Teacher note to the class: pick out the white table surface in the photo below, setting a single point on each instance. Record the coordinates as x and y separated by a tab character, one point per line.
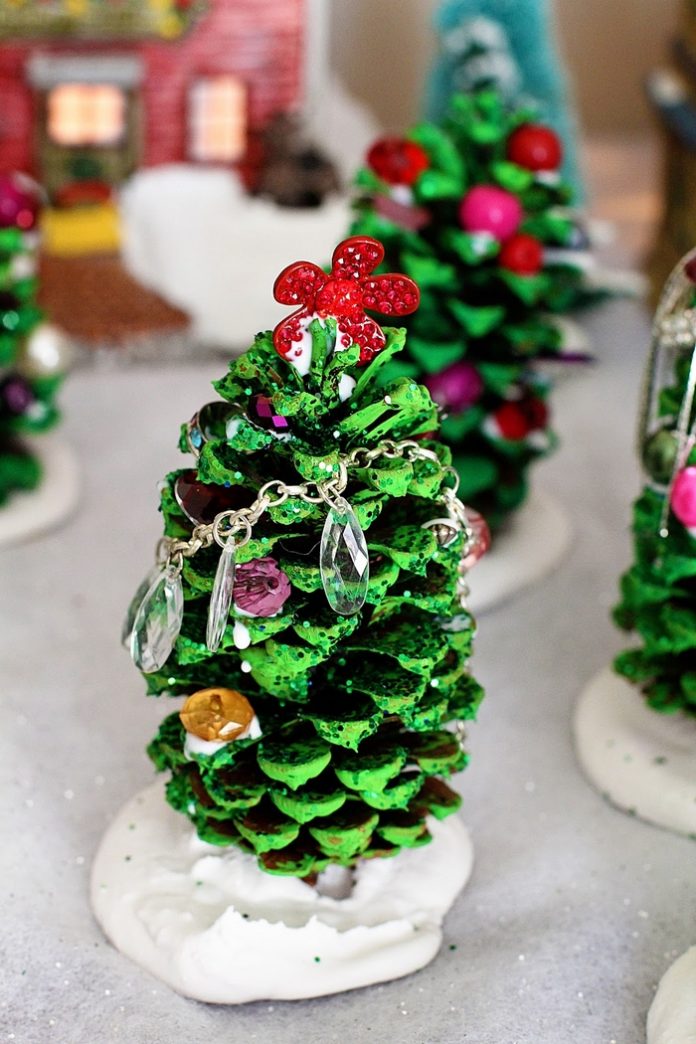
574	910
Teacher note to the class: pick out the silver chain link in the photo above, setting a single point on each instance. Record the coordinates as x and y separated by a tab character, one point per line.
229	524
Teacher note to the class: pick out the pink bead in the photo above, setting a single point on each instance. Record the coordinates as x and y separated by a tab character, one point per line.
684	496
19	202
481	540
456	387
486	208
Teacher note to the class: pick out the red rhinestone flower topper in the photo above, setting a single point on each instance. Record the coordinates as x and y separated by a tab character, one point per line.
344	294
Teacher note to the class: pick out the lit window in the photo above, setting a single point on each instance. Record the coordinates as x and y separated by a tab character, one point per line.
86	114
217	120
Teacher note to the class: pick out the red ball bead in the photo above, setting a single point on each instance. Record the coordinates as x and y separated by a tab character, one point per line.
535	147
522	254
518	418
398	161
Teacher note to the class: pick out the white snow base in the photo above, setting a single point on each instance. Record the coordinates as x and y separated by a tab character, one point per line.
194	236
643	761
27	514
213	926
531	545
672	1015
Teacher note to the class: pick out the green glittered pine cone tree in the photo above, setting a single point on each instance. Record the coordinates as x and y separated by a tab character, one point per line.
325	679
658	591
475	210
32	354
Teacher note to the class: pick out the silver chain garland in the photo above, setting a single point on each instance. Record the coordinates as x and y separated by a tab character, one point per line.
155	618
228	524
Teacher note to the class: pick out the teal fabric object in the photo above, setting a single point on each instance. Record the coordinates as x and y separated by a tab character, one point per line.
508	44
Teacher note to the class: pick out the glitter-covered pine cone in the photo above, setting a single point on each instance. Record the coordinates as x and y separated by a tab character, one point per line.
475	211
658	591
353	710
32	355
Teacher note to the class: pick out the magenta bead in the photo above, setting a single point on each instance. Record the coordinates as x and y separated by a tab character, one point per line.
486	208
19	202
684	497
261	588
456	387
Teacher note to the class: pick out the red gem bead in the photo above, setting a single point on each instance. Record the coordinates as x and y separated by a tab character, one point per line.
481	538
522	254
201	502
690	269
535	147
397	160
340	298
264	414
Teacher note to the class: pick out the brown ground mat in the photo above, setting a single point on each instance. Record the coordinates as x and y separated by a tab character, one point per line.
96	301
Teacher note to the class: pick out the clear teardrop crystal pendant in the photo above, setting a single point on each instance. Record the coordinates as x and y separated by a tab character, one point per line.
221	598
158	621
143	587
343	559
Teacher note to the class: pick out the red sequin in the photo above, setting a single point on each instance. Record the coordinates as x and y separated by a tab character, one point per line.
344	294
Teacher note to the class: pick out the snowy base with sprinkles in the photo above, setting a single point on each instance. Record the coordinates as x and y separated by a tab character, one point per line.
672	1015
642	761
210	924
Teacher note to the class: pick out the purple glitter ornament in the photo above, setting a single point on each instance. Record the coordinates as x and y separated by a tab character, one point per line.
261	588
16	395
263	413
456	387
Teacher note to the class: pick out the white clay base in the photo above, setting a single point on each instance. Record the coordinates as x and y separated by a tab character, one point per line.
643	761
672	1015
531	545
213	926
25	515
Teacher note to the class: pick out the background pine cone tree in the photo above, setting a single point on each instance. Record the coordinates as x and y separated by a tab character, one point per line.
658	591
475	210
32	355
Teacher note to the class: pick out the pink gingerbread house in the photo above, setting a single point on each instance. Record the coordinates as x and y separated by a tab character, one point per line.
91	90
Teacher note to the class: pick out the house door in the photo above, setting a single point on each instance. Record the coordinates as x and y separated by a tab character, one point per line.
87	123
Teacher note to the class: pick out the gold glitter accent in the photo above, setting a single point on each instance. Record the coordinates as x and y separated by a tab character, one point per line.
217	714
